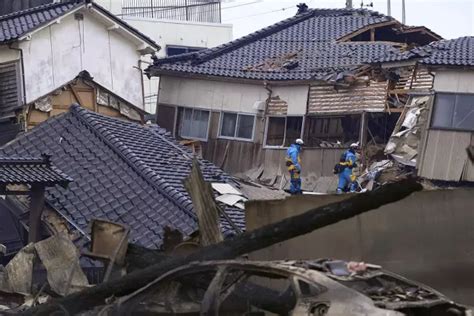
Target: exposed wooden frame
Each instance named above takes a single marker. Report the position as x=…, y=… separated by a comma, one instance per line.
x=349, y=36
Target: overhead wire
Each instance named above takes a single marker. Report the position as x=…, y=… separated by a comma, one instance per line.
x=262, y=13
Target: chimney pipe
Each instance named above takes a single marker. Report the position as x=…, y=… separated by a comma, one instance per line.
x=389, y=8
x=349, y=4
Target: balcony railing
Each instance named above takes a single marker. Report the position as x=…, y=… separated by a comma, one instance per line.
x=184, y=10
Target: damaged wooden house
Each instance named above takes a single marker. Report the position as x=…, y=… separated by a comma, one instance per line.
x=122, y=172
x=68, y=52
x=305, y=77
x=435, y=133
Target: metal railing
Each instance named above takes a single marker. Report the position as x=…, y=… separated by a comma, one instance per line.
x=184, y=10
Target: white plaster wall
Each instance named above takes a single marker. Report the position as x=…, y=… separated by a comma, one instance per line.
x=182, y=33
x=7, y=55
x=295, y=96
x=213, y=95
x=454, y=81
x=56, y=54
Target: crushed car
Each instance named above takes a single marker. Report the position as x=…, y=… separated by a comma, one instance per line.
x=310, y=287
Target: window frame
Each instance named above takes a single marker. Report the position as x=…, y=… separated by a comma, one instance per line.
x=433, y=109
x=221, y=118
x=192, y=115
x=333, y=115
x=267, y=122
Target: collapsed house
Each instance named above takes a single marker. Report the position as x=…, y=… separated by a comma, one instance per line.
x=305, y=77
x=123, y=172
x=436, y=130
x=42, y=51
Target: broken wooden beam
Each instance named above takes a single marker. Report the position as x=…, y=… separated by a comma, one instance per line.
x=245, y=243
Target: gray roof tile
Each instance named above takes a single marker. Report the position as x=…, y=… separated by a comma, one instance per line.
x=454, y=52
x=312, y=35
x=127, y=183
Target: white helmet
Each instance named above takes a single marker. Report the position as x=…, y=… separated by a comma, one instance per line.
x=355, y=145
x=299, y=141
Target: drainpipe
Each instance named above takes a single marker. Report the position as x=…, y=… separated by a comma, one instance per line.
x=141, y=81
x=23, y=81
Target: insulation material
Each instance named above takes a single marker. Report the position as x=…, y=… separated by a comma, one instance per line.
x=404, y=143
x=44, y=105
x=277, y=106
x=361, y=97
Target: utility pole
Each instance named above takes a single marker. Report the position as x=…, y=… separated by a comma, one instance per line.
x=389, y=8
x=403, y=12
x=349, y=4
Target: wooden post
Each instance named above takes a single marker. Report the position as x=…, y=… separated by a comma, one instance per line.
x=363, y=136
x=36, y=209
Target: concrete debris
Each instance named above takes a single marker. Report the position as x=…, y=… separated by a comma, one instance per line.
x=61, y=260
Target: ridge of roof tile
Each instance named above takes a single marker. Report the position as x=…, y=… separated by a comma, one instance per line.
x=453, y=52
x=308, y=34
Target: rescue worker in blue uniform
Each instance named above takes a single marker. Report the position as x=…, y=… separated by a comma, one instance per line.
x=293, y=163
x=347, y=179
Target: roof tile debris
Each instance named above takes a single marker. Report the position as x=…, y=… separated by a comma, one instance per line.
x=454, y=52
x=307, y=42
x=123, y=172
x=31, y=170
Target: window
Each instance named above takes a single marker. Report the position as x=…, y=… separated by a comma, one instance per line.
x=324, y=131
x=193, y=123
x=240, y=126
x=453, y=111
x=282, y=131
x=172, y=50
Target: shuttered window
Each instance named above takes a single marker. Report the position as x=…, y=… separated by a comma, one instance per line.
x=10, y=96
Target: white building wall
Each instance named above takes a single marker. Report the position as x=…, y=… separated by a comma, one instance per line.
x=295, y=96
x=57, y=53
x=212, y=95
x=445, y=156
x=182, y=33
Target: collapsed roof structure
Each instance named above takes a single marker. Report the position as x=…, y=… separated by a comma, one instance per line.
x=123, y=172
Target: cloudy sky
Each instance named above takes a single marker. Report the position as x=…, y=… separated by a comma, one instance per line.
x=449, y=18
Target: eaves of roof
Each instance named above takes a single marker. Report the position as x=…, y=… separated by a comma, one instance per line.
x=21, y=23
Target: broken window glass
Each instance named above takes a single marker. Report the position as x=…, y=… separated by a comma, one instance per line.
x=235, y=125
x=193, y=123
x=323, y=131
x=282, y=131
x=453, y=111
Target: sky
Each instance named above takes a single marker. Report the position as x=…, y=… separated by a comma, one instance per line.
x=448, y=18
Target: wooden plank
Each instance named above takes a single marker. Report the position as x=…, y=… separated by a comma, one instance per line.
x=37, y=117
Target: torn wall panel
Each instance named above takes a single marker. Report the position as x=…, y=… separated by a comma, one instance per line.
x=326, y=99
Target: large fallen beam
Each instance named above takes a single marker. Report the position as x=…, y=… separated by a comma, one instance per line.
x=228, y=249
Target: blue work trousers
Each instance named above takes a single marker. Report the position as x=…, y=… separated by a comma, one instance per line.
x=295, y=180
x=345, y=182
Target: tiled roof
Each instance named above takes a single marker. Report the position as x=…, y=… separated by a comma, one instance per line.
x=30, y=170
x=122, y=172
x=310, y=39
x=15, y=25
x=455, y=52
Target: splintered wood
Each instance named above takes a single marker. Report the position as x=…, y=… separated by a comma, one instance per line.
x=205, y=206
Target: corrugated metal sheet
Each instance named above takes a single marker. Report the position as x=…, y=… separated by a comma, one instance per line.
x=411, y=78
x=277, y=106
x=9, y=90
x=326, y=99
x=445, y=156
